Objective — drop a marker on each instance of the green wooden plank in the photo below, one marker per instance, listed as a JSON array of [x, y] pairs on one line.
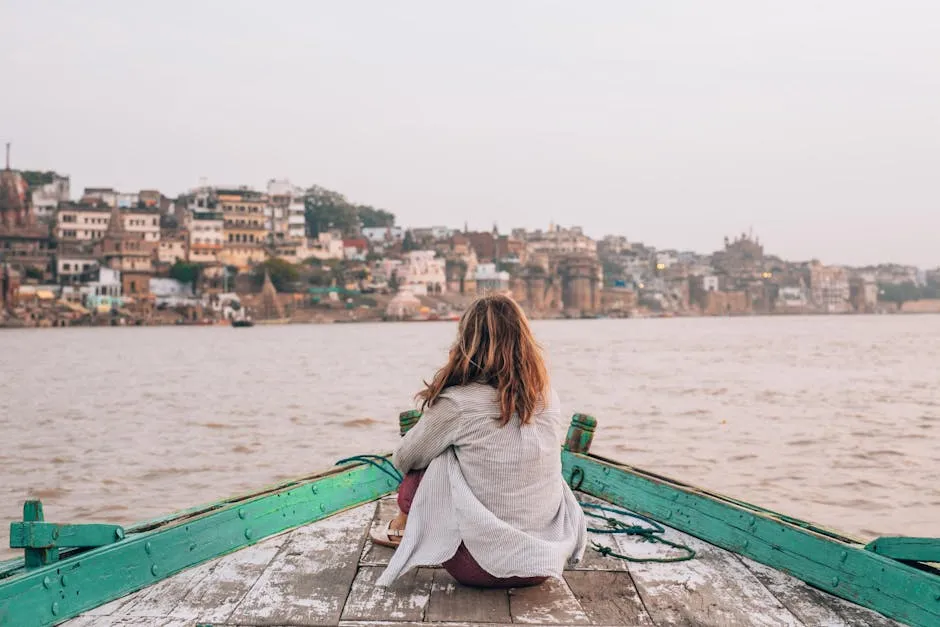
[[845, 569], [901, 548], [50, 594], [43, 535], [34, 558]]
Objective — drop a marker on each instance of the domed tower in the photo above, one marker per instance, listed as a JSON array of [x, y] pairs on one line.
[[23, 242], [14, 200]]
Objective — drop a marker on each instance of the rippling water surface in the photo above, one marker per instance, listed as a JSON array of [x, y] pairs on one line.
[[835, 419]]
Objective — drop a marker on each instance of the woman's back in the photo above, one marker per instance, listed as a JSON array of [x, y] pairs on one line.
[[512, 469]]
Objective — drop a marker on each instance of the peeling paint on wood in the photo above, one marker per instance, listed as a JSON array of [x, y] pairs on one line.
[[715, 588], [608, 597], [550, 603], [451, 601], [214, 596], [308, 580], [404, 601]]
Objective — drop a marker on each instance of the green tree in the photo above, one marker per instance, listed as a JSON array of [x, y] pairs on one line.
[[372, 217], [185, 272], [283, 273], [409, 242], [326, 209], [35, 178]]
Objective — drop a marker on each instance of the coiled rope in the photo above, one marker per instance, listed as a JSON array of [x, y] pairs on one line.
[[652, 533]]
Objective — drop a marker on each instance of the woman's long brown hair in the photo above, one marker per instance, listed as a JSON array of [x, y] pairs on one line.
[[495, 346]]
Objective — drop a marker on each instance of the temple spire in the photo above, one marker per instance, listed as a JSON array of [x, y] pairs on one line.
[[8, 155], [116, 223]]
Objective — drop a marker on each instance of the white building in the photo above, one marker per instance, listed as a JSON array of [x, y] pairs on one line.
[[326, 246], [77, 223], [422, 273], [104, 293], [489, 280], [171, 292], [104, 195], [560, 241], [205, 236], [285, 215], [710, 283], [126, 200], [46, 197], [296, 219], [143, 221], [74, 268]]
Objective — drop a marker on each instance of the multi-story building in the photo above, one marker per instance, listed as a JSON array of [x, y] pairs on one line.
[[146, 222], [285, 213], [77, 268], [829, 287], [173, 246], [244, 231], [296, 219], [100, 195], [489, 280], [422, 273], [205, 228], [76, 223]]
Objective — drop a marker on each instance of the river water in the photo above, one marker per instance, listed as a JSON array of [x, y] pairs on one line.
[[833, 419]]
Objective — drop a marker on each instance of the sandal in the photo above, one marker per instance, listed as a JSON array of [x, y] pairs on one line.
[[386, 536]]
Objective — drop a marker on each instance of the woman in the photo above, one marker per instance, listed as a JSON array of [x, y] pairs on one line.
[[483, 493]]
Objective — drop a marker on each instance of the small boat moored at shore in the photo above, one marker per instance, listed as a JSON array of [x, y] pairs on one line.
[[297, 553]]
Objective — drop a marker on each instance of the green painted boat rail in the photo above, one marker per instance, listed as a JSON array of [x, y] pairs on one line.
[[868, 575], [82, 579]]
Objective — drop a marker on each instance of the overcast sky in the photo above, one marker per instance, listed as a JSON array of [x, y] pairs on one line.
[[816, 123]]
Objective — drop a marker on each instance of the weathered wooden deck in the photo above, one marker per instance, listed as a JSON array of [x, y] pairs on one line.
[[323, 574]]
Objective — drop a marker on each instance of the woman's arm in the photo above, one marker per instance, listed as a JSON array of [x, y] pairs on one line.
[[436, 430]]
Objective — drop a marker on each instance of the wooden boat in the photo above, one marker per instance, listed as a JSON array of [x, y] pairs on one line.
[[297, 554], [242, 322]]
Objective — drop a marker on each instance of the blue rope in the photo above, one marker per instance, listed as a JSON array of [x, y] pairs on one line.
[[382, 463]]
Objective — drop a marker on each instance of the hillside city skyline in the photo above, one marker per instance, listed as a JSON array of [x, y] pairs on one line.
[[594, 233]]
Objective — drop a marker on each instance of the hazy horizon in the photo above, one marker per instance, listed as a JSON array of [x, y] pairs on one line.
[[817, 125]]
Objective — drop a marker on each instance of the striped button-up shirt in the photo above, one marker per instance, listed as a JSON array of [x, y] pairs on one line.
[[499, 490]]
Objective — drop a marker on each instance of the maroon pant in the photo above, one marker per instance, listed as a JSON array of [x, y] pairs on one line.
[[461, 566]]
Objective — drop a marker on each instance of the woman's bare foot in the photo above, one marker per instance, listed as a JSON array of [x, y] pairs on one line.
[[391, 533], [398, 523]]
